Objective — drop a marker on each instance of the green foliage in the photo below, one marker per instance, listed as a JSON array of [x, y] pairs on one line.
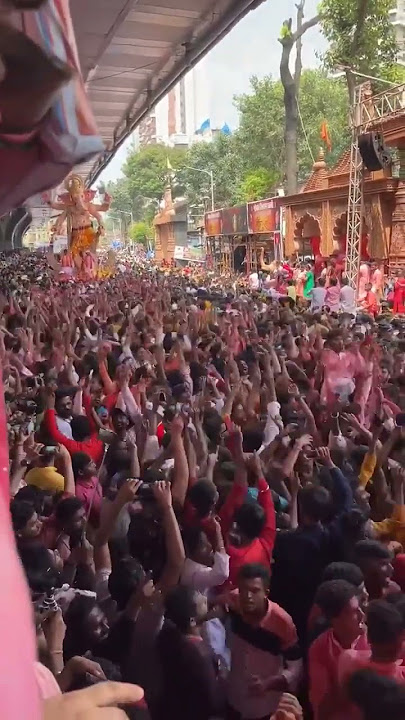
[[247, 165], [146, 175], [120, 197], [141, 232], [257, 184], [147, 172], [360, 35], [395, 74], [260, 138], [322, 98], [221, 156]]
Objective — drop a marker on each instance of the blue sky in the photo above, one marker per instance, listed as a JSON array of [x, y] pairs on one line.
[[251, 48]]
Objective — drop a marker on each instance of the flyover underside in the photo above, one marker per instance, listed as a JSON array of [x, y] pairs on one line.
[[12, 228], [133, 51]]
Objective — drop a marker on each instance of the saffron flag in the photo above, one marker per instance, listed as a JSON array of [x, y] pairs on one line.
[[325, 136]]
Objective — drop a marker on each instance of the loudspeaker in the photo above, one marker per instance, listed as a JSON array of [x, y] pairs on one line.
[[373, 150]]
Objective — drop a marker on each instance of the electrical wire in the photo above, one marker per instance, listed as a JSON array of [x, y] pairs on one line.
[[303, 130], [121, 72]]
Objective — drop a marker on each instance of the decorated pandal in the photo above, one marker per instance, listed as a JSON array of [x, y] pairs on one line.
[[237, 237], [316, 217], [79, 213]]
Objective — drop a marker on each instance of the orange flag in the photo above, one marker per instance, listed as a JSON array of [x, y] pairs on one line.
[[325, 135]]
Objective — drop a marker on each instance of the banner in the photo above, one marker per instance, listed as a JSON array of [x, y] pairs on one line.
[[235, 220], [263, 217], [213, 223], [189, 253]]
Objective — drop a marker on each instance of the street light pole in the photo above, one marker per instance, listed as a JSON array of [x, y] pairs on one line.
[[211, 177], [130, 214], [212, 191]]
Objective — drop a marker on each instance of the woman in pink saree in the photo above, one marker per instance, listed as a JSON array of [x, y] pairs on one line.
[[301, 276], [399, 294], [364, 279]]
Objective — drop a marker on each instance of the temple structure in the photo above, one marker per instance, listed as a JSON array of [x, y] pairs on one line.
[[170, 227], [316, 217]]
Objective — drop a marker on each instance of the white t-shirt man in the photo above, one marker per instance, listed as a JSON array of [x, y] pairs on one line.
[[347, 299], [317, 298], [254, 281], [203, 579], [64, 427]]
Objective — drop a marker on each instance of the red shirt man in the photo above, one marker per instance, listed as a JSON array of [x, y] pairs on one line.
[[241, 549], [370, 302], [341, 606], [90, 445]]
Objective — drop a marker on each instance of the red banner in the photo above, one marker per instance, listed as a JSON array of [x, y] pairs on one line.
[[263, 217], [213, 223], [234, 220]]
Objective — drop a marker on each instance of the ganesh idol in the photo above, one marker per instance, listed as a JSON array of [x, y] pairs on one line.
[[79, 212]]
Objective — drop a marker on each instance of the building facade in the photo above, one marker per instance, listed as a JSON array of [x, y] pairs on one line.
[[147, 131], [398, 21]]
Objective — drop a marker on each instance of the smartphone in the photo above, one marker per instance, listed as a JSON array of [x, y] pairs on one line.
[[400, 420], [253, 493]]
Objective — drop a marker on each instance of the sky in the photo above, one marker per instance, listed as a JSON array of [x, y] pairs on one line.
[[251, 48]]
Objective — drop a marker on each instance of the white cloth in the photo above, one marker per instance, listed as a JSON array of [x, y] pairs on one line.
[[317, 298], [272, 428], [254, 281], [202, 578], [64, 427], [348, 299], [152, 449]]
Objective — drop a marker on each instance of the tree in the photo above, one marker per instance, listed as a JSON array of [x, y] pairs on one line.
[[220, 156], [120, 197], [147, 171], [146, 174], [361, 37], [322, 98], [141, 232], [260, 138], [291, 85], [257, 184]]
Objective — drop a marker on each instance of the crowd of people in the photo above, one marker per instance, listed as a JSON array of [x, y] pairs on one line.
[[320, 284], [207, 489]]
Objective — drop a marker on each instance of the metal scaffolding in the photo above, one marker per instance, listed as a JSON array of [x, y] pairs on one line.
[[355, 200], [369, 112]]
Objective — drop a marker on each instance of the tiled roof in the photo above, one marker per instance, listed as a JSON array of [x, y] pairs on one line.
[[343, 165], [319, 176]]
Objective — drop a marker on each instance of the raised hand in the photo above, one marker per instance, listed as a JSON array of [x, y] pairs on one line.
[[323, 456], [305, 440], [177, 426], [127, 492], [162, 493]]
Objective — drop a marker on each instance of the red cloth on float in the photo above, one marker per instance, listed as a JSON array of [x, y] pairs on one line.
[[315, 243], [364, 254], [319, 265]]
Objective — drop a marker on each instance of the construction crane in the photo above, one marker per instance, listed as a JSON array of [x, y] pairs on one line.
[[369, 113]]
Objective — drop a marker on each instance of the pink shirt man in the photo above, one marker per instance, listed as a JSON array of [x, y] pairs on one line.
[[332, 298], [359, 658], [377, 281], [364, 279]]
